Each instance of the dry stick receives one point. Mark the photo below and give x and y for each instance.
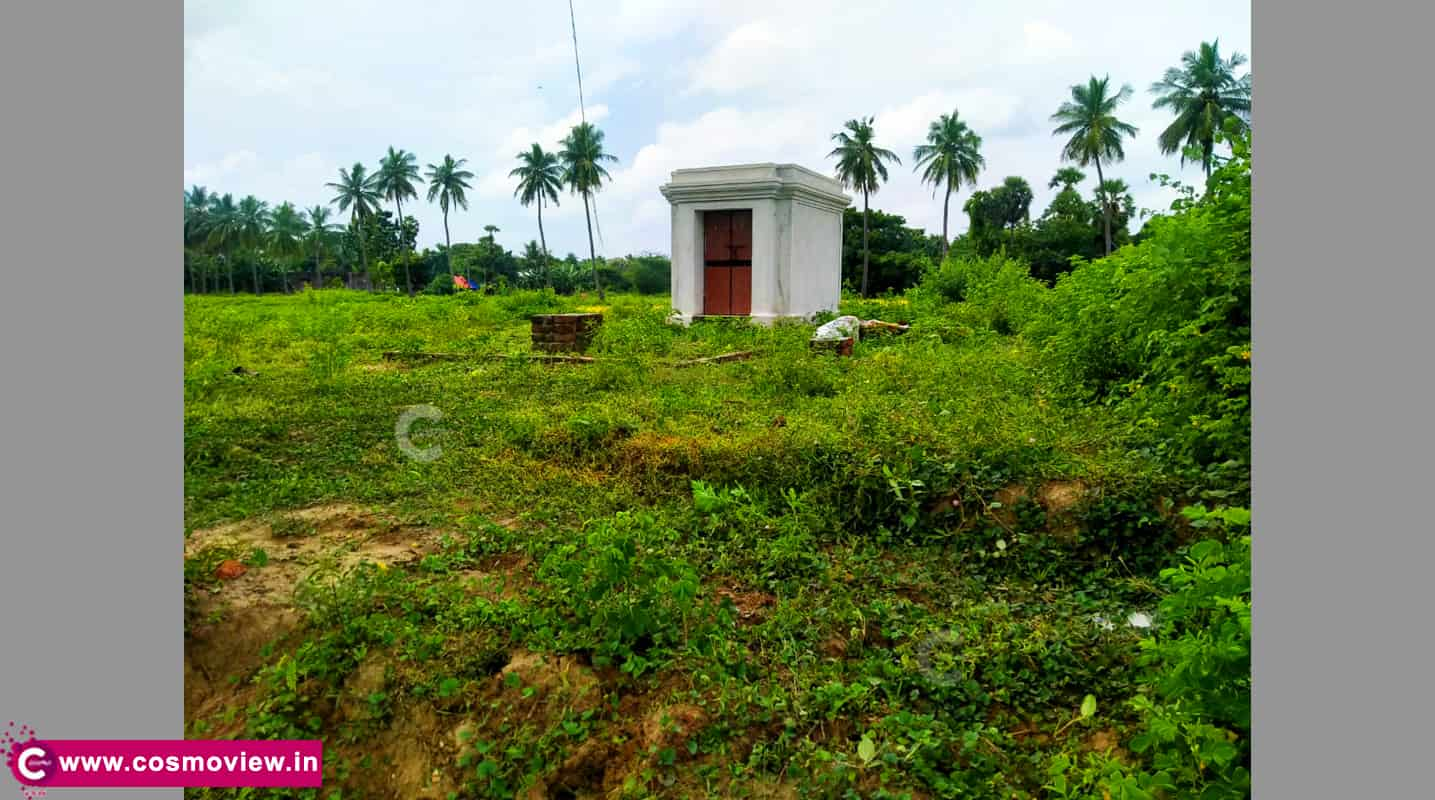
(393, 355)
(737, 355)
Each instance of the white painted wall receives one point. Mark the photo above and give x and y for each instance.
(815, 284)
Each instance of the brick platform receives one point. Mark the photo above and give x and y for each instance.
(555, 333)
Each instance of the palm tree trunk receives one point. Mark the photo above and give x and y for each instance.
(363, 250)
(1105, 207)
(254, 273)
(408, 278)
(547, 280)
(447, 245)
(864, 242)
(593, 251)
(318, 258)
(229, 268)
(946, 203)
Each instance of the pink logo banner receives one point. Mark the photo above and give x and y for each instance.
(161, 763)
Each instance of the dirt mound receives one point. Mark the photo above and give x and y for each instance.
(672, 726)
(251, 606)
(560, 680)
(221, 655)
(412, 759)
(340, 536)
(393, 744)
(1058, 498)
(751, 605)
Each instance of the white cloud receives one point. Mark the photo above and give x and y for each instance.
(1045, 41)
(496, 182)
(752, 55)
(550, 135)
(226, 166)
(984, 110)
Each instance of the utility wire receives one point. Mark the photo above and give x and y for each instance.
(582, 112)
(573, 23)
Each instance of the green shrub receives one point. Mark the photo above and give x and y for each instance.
(1195, 700)
(441, 284)
(631, 603)
(996, 292)
(523, 304)
(1164, 327)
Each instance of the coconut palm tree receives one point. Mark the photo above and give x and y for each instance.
(447, 182)
(539, 177)
(395, 181)
(196, 223)
(1066, 178)
(582, 157)
(951, 155)
(1090, 118)
(358, 195)
(317, 231)
(861, 165)
(225, 229)
(285, 240)
(1203, 93)
(254, 216)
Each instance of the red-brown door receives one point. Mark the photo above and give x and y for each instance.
(727, 262)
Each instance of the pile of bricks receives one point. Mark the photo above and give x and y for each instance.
(555, 333)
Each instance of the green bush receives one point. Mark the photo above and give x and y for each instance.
(1195, 698)
(441, 284)
(1164, 327)
(632, 604)
(996, 292)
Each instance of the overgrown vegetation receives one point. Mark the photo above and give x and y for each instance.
(1003, 555)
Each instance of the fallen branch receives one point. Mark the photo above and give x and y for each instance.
(393, 355)
(737, 355)
(398, 355)
(555, 357)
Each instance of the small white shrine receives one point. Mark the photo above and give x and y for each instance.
(755, 240)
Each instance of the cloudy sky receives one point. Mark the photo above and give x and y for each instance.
(279, 94)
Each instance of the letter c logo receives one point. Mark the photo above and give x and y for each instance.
(401, 432)
(22, 763)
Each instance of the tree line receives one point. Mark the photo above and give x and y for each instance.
(222, 234)
(1203, 93)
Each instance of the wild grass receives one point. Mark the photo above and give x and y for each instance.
(808, 548)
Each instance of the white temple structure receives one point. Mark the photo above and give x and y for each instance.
(755, 240)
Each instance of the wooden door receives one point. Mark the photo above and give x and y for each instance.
(727, 262)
